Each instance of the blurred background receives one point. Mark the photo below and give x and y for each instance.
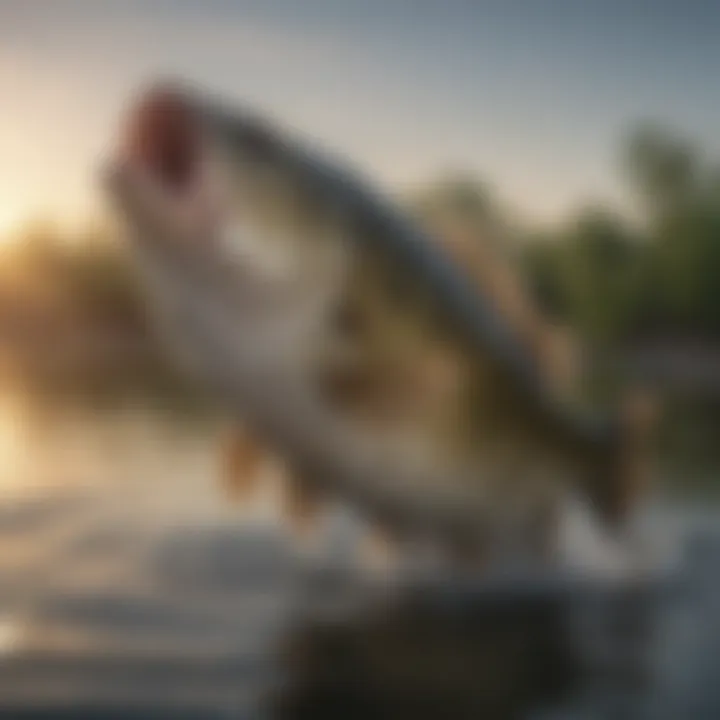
(582, 136)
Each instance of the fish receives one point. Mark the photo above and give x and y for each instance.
(338, 330)
(455, 212)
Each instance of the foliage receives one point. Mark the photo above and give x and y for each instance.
(615, 279)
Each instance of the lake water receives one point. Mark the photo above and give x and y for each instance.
(127, 580)
(125, 577)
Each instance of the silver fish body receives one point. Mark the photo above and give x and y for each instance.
(342, 333)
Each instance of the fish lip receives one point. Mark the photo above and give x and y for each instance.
(162, 133)
(179, 202)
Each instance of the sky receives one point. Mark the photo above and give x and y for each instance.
(532, 96)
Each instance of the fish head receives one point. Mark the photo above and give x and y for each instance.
(236, 224)
(225, 189)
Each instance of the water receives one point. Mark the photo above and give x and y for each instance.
(127, 581)
(125, 578)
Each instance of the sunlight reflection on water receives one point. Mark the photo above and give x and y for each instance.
(118, 552)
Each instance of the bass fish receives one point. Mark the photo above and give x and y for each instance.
(344, 336)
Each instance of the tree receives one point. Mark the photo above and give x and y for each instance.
(663, 169)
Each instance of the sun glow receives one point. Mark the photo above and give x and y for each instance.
(10, 221)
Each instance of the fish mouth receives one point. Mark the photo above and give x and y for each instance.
(160, 174)
(162, 137)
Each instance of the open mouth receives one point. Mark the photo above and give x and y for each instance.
(161, 173)
(162, 137)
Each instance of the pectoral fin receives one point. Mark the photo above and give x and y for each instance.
(243, 459)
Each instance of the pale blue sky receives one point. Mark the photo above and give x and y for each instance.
(532, 95)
